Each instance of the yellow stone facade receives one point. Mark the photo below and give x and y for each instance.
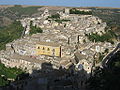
(48, 48)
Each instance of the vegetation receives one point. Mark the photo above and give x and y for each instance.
(9, 14)
(61, 20)
(24, 10)
(108, 36)
(106, 78)
(101, 56)
(115, 61)
(117, 64)
(4, 21)
(8, 73)
(75, 11)
(34, 29)
(18, 11)
(110, 16)
(54, 16)
(10, 33)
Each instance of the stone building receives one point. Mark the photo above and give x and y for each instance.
(45, 13)
(66, 11)
(48, 48)
(83, 62)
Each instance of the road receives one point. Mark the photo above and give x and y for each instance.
(106, 60)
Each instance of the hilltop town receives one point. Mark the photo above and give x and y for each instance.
(63, 43)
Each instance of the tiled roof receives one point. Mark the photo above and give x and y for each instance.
(48, 44)
(80, 56)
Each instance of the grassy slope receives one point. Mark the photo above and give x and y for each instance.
(18, 11)
(111, 16)
(10, 33)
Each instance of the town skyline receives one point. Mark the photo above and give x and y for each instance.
(69, 3)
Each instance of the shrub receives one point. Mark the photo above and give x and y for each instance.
(75, 11)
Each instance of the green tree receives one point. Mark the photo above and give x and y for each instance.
(8, 73)
(10, 33)
(55, 16)
(108, 36)
(75, 11)
(34, 29)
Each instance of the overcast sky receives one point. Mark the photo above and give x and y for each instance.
(77, 3)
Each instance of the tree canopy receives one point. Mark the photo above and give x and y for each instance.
(75, 11)
(8, 73)
(34, 29)
(108, 36)
(10, 33)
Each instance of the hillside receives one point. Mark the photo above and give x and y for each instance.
(69, 40)
(109, 15)
(10, 13)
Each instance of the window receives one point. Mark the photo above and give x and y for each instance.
(53, 50)
(48, 49)
(43, 48)
(38, 47)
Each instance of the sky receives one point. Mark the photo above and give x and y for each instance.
(74, 3)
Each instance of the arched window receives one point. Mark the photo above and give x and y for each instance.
(48, 49)
(38, 47)
(43, 48)
(53, 51)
